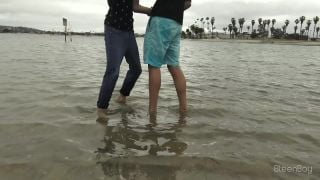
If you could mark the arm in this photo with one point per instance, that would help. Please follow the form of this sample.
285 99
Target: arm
187 4
140 9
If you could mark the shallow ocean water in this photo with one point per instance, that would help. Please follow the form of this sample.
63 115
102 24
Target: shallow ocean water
252 108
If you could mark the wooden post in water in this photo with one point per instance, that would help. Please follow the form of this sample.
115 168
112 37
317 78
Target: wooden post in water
65 24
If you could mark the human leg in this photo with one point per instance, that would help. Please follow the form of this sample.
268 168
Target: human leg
172 60
115 52
154 88
133 59
181 87
156 43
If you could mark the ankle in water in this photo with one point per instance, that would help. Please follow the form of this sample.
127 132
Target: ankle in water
121 99
102 113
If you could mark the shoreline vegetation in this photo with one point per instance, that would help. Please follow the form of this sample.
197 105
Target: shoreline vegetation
209 37
267 41
257 31
27 30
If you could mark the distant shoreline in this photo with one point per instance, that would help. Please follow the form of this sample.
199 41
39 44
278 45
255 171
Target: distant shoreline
24 30
27 30
264 41
62 34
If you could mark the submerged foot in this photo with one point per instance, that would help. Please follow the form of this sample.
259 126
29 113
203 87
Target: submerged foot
183 112
102 113
121 99
153 117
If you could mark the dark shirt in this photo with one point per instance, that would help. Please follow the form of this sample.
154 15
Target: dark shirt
172 9
120 15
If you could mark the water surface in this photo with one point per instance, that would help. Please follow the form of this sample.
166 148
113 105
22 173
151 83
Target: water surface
252 107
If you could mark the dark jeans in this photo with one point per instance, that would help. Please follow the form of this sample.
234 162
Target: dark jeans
119 44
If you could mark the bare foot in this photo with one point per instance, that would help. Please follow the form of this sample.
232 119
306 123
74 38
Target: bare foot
183 112
102 113
102 121
153 117
121 99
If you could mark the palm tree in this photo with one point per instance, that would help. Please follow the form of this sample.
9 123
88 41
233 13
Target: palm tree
273 22
235 30
233 22
284 29
201 21
241 22
225 30
268 23
252 24
200 31
272 26
315 20
307 31
264 24
318 29
295 29
260 21
287 22
193 28
308 27
202 24
303 31
302 19
212 24
263 28
230 30
248 27
297 22
188 33
208 27
260 24
207 19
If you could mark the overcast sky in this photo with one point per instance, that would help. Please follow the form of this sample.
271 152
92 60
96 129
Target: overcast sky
88 15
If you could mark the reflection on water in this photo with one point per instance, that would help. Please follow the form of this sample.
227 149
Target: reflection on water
116 168
128 145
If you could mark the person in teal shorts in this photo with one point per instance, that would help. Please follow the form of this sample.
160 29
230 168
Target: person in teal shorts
162 47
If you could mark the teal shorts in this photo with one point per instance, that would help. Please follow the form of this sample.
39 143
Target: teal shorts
162 42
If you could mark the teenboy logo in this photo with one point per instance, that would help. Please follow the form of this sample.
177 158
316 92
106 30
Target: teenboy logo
293 169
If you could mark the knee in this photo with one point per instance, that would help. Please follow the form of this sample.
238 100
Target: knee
137 72
181 90
112 73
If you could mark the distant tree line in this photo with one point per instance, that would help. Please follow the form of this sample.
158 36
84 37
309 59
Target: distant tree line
261 29
11 29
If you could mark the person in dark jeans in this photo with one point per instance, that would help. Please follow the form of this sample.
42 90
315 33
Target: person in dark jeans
120 42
